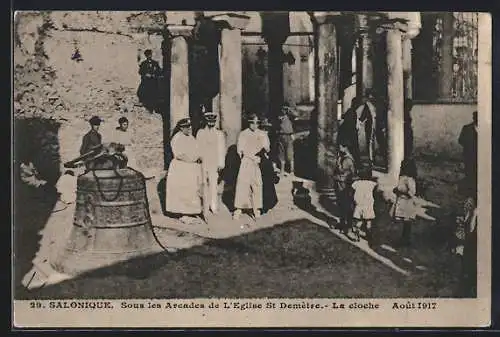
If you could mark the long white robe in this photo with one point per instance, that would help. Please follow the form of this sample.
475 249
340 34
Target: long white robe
249 181
212 145
184 178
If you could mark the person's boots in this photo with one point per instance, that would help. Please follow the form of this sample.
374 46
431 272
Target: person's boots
353 233
237 214
369 235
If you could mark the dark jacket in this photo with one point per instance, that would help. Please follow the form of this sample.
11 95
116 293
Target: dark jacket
468 141
149 67
90 140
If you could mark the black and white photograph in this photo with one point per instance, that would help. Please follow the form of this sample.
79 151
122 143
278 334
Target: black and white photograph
199 158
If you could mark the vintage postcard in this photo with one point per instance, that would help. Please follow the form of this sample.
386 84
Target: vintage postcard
251 169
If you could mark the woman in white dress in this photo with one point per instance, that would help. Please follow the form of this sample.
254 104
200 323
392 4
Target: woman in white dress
184 176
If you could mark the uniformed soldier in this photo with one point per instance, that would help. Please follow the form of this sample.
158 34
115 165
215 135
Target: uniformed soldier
212 145
249 193
285 140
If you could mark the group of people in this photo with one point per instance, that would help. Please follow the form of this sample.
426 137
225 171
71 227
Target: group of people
364 130
356 190
359 130
199 165
467 220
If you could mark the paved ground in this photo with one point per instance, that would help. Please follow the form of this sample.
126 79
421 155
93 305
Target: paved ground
289 252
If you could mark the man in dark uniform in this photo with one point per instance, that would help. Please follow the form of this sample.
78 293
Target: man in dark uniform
150 71
468 140
93 137
285 140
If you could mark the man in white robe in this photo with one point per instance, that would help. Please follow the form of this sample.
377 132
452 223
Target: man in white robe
251 141
184 177
212 145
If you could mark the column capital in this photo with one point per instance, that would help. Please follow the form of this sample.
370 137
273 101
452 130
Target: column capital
408 23
321 18
397 24
183 18
179 30
362 22
365 21
231 20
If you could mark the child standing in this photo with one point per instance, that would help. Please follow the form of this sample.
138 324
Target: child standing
344 173
364 212
404 209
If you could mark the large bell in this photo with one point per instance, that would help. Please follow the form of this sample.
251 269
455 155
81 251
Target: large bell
111 222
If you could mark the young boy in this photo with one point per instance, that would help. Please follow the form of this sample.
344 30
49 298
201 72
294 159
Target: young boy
364 212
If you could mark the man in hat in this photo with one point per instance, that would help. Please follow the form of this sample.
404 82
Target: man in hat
122 135
249 194
150 71
212 145
285 140
93 137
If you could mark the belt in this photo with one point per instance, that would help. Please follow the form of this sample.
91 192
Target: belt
285 134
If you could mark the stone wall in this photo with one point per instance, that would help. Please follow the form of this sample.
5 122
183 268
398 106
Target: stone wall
102 82
437 128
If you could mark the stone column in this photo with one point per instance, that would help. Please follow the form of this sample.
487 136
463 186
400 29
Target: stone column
231 80
413 30
327 86
275 30
179 26
216 99
364 62
407 74
364 84
446 69
395 89
179 74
